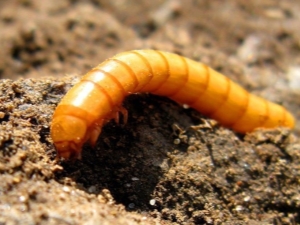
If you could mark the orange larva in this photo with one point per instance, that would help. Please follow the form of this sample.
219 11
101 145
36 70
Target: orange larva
97 98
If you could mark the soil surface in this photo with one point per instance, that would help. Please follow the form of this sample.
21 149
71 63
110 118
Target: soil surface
167 164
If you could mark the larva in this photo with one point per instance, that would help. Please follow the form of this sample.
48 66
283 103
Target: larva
97 98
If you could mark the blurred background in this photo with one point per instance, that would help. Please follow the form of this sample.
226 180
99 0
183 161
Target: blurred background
256 43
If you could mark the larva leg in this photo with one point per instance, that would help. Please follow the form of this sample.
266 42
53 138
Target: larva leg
116 115
94 134
124 113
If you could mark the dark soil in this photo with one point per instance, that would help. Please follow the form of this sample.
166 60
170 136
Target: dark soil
167 164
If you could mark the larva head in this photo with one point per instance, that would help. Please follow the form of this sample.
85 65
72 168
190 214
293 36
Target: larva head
68 134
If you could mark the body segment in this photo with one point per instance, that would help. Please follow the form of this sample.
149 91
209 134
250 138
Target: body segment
97 98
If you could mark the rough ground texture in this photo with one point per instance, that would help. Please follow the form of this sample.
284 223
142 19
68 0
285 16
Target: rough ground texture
167 164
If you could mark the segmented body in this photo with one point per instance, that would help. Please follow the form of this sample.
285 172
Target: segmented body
97 98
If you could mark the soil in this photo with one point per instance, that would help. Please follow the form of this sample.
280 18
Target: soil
167 164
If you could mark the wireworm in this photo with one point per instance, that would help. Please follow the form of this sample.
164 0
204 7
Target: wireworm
97 98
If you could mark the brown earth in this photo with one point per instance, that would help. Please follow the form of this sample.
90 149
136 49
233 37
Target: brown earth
167 164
